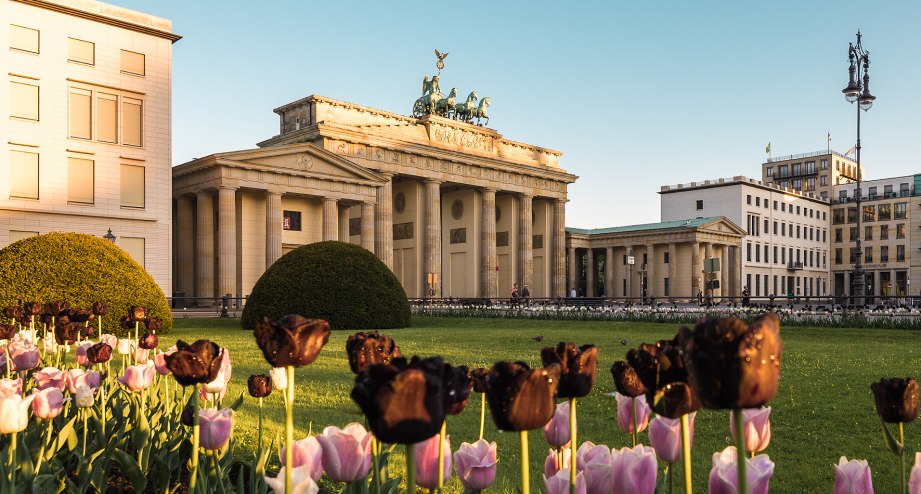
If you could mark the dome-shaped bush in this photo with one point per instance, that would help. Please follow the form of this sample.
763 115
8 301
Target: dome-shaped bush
342 283
81 269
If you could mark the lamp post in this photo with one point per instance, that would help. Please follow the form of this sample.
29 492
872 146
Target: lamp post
109 236
858 89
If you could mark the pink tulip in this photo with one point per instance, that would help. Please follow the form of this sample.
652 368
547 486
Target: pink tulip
914 479
346 452
553 461
109 339
24 355
853 477
306 453
138 377
50 377
48 403
757 425
9 387
79 377
215 397
49 343
625 412
723 479
279 377
215 427
665 437
219 384
301 483
14 413
556 432
427 461
140 354
594 462
559 483
634 470
160 361
476 464
81 353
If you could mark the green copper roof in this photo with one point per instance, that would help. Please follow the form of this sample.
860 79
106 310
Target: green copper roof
645 227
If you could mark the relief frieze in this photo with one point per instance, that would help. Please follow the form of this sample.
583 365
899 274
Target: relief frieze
463 138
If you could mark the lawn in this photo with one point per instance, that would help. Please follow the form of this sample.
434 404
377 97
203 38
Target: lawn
824 408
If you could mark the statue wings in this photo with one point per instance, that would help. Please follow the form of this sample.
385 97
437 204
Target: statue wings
441 56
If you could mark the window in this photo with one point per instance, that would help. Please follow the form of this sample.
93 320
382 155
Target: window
853 257
837 256
766 226
132 114
797 169
770 171
775 228
903 189
782 184
823 180
700 204
899 252
81 51
106 117
900 231
757 201
868 233
766 258
838 235
775 254
775 205
884 232
884 253
853 231
134 247
292 221
132 184
665 257
852 215
783 255
797 209
80 113
748 199
872 193
132 62
797 231
885 212
24 38
783 170
748 252
868 254
783 229
798 184
887 191
837 216
869 213
23 100
901 210
757 254
825 164
23 175
810 183
810 167
80 182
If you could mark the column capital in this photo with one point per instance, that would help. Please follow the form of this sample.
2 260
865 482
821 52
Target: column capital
274 191
430 181
227 187
330 199
524 195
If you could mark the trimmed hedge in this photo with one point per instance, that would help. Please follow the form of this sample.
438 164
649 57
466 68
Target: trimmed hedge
81 269
339 282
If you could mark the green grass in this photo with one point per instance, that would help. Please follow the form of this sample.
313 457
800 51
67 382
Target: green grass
824 408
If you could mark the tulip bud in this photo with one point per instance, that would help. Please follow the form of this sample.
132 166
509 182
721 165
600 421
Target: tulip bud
125 347
7 331
32 308
346 452
577 368
476 465
556 432
625 410
154 324
138 377
479 379
56 308
85 396
368 348
24 355
759 471
79 315
852 477
50 377
259 385
665 437
99 353
14 413
48 403
10 387
279 378
306 453
757 427
427 461
896 399
197 363
188 416
559 483
634 469
215 426
521 398
100 308
13 312
149 341
626 380
80 351
596 464
292 340
137 313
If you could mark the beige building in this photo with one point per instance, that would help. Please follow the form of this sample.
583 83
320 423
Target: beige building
816 172
429 196
87 125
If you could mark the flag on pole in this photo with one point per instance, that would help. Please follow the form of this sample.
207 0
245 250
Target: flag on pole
767 149
829 141
851 151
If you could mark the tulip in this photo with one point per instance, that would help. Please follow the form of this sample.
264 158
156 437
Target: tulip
521 398
80 315
279 377
7 331
626 380
81 349
595 463
50 343
625 409
665 437
78 377
65 333
476 464
368 348
14 413
9 387
24 355
138 377
346 452
559 483
126 346
457 387
661 369
109 339
896 399
215 427
301 483
259 385
292 340
215 397
160 361
50 377
137 313
149 341
219 383
100 308
577 368
32 308
634 470
55 308
757 426
13 312
853 477
479 379
84 396
154 324
187 416
556 432
99 353
194 364
87 332
914 479
554 460
305 453
427 461
48 403
723 474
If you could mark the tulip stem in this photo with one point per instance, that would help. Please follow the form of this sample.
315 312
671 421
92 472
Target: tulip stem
410 469
635 428
41 452
525 478
686 453
193 464
13 439
902 457
441 456
572 445
217 472
741 476
375 460
289 429
482 413
84 412
669 471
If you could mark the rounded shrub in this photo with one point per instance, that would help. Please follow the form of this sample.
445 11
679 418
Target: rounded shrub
342 283
81 269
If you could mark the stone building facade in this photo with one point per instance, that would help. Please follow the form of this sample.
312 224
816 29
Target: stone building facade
86 125
817 172
454 209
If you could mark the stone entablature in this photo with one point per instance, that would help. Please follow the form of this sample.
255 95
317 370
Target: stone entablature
742 179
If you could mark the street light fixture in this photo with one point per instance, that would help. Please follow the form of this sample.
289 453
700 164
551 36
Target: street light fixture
109 236
858 89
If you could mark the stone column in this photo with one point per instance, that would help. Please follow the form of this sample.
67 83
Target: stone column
619 270
651 270
488 275
227 240
383 223
695 282
367 226
609 272
432 260
589 272
736 272
204 245
558 280
274 225
185 251
708 253
573 270
525 240
673 290
344 224
330 219
724 271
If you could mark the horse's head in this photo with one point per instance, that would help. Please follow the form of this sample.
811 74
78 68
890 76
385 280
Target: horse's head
472 96
453 92
484 101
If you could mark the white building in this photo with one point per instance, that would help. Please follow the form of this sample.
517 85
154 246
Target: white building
786 248
86 131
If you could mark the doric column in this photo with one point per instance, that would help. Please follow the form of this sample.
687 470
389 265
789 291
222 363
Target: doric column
525 240
204 245
344 223
185 243
696 282
609 272
737 271
367 226
383 224
673 287
589 272
330 219
558 280
432 260
573 269
619 270
724 271
651 270
227 240
708 253
488 275
274 224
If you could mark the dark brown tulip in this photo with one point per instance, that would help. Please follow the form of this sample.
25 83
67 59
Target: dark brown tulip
7 331
13 312
292 340
25 321
99 353
626 381
194 364
260 385
125 322
154 323
187 417
521 398
896 399
660 367
577 368
32 308
479 379
100 308
65 333
403 402
136 313
732 365
457 387
80 315
56 308
149 341
367 348
87 332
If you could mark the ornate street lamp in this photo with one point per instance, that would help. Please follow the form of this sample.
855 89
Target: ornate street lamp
109 236
858 89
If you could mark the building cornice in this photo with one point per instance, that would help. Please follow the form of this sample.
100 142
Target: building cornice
102 18
740 181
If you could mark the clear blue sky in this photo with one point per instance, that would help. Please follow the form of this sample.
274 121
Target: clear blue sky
635 94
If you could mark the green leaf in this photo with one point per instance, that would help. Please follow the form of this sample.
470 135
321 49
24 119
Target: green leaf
891 443
392 486
65 436
129 468
237 403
